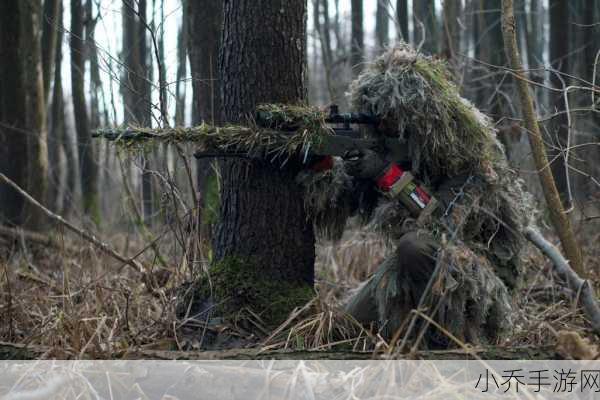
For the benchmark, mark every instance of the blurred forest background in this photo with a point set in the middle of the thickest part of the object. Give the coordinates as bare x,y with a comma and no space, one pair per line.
69,67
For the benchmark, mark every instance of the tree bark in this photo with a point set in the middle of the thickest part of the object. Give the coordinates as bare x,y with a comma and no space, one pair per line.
382,25
87,164
35,109
136,88
586,30
323,29
402,16
51,25
451,42
145,111
262,217
560,221
559,60
425,25
13,137
204,21
495,95
57,120
180,91
358,37
535,44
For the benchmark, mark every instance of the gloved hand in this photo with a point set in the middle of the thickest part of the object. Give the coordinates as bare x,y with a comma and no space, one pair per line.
364,164
320,163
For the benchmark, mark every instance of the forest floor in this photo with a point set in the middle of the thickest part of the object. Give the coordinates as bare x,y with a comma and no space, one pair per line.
67,300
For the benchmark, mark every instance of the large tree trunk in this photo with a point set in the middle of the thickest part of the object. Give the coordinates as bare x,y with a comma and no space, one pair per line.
358,37
88,166
263,223
559,60
425,25
13,137
35,109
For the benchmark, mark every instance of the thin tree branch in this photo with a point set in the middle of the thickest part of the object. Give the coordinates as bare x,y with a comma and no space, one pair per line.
83,234
580,287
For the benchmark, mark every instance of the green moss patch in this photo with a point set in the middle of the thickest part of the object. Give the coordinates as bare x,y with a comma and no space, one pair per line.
239,285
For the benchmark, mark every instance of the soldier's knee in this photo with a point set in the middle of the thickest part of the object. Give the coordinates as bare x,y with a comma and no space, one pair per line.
416,245
415,254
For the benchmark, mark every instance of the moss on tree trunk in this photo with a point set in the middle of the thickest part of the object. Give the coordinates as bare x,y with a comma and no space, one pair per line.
242,284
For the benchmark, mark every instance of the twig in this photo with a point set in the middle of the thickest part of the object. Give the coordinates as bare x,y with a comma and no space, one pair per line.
580,287
85,235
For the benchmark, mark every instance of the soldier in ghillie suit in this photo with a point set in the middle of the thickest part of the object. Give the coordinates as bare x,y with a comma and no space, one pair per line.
472,239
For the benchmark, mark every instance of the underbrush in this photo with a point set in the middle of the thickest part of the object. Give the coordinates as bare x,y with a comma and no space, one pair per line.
77,303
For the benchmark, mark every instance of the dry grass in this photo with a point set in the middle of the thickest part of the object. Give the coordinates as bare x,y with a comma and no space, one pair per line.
83,305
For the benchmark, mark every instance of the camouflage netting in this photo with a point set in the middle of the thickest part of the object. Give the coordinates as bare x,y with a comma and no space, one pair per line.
275,133
456,153
449,139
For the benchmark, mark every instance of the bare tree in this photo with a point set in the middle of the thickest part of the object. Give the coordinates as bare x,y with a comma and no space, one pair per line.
204,21
425,25
13,137
50,23
358,37
35,108
382,25
87,164
57,113
451,42
559,60
402,16
494,94
136,85
180,92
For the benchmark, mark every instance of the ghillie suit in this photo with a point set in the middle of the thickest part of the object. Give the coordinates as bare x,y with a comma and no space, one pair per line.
474,235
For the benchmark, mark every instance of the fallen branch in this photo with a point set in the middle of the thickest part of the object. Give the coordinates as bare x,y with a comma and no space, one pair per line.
38,238
10,351
580,287
83,234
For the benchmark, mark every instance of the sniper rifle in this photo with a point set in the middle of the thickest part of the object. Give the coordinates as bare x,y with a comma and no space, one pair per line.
345,137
